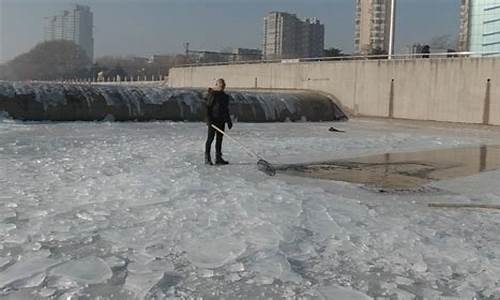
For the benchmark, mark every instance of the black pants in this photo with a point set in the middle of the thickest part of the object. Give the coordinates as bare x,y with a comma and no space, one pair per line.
210,138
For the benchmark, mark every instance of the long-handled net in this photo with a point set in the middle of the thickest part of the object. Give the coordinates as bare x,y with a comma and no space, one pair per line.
266,167
262,164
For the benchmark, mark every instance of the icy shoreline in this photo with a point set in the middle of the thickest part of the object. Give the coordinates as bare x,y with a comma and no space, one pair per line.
129,210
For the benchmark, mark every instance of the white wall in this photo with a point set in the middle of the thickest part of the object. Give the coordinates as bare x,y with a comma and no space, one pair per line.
446,89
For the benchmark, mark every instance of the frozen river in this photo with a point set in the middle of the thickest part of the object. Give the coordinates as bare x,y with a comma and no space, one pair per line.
128,210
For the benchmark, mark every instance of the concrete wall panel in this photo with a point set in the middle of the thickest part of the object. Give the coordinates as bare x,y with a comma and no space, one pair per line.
453,89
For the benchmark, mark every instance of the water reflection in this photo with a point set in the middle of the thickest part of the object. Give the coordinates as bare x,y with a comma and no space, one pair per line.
403,170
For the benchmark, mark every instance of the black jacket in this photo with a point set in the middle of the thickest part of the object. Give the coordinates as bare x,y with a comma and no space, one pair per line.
218,106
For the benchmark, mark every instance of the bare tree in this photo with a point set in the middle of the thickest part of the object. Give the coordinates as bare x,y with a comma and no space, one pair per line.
444,42
50,61
133,67
333,52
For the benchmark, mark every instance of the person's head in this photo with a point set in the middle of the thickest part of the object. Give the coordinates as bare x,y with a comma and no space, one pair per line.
220,84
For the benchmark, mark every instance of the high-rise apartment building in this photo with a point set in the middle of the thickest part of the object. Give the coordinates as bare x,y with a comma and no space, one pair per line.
480,27
313,38
287,36
373,24
463,34
73,25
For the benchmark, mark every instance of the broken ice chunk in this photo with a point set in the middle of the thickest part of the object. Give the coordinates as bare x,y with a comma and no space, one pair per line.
141,284
271,268
6,227
46,292
211,254
88,270
115,262
420,267
33,281
138,268
84,216
17,237
338,292
7,214
62,283
237,267
233,277
25,269
4,261
206,273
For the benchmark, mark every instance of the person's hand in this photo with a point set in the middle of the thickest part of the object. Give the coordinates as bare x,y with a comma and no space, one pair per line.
230,124
209,122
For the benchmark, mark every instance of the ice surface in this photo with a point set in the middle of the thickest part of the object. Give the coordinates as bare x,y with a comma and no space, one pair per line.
214,253
89,270
130,209
25,269
33,281
139,285
4,261
115,262
5,228
46,292
338,292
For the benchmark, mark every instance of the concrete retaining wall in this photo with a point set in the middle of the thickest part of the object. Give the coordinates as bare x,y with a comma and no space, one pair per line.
453,89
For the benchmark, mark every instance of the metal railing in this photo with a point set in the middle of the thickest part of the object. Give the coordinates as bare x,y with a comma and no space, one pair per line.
340,58
94,81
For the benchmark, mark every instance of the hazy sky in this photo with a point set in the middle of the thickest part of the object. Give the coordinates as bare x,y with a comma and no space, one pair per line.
145,27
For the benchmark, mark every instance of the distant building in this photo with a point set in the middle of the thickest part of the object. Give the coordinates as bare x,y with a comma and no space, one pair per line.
243,54
203,56
286,36
313,38
373,22
416,48
159,59
480,27
73,25
463,34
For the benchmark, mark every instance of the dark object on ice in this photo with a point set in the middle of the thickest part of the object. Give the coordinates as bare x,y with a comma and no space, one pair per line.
208,159
332,129
218,115
266,167
220,161
218,106
262,164
212,133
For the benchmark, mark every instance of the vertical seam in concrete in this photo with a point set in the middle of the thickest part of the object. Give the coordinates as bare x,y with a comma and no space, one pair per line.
487,103
483,157
355,88
272,75
391,100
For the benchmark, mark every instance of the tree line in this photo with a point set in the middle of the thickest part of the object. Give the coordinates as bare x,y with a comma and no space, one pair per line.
64,60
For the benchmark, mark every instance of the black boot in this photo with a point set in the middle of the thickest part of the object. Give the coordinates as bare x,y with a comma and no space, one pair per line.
219,160
208,159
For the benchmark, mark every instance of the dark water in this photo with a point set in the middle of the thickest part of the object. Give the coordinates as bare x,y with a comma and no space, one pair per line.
403,170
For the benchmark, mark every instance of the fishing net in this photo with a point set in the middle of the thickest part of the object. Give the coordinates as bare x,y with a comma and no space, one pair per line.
266,167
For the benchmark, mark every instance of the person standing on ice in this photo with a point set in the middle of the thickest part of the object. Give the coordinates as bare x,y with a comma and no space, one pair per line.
218,115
